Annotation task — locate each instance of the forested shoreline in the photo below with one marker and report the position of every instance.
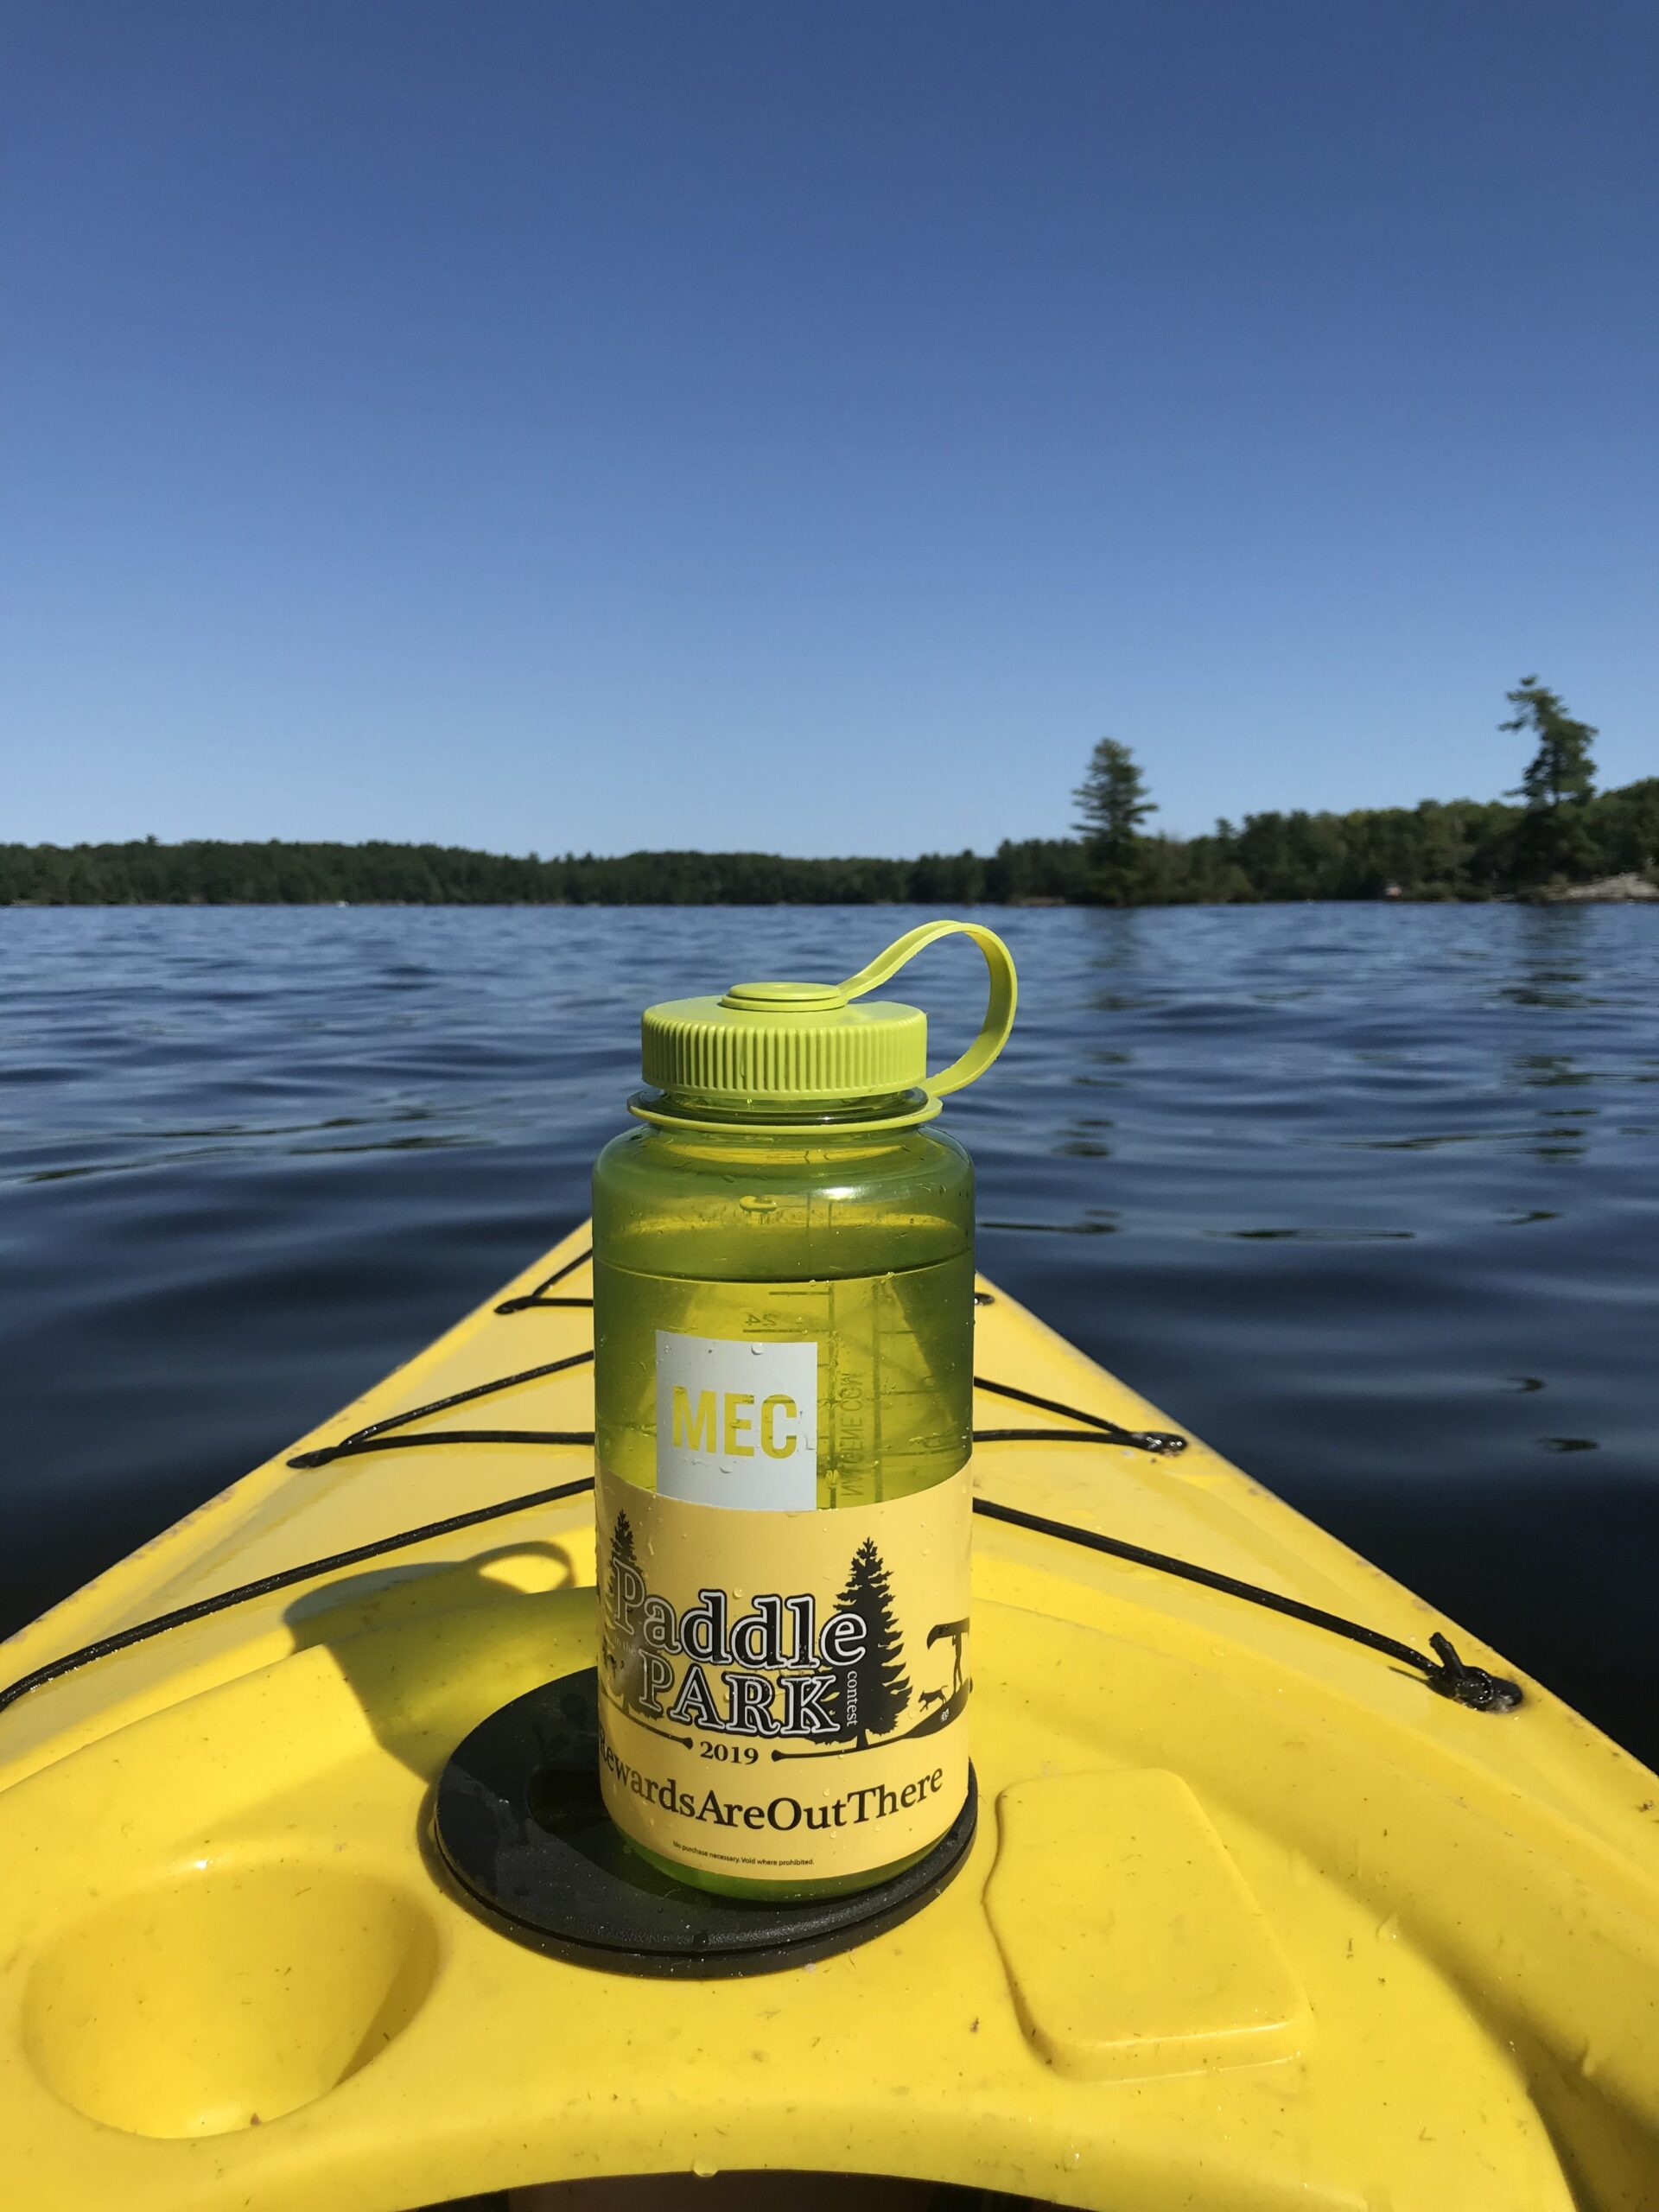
(1563, 834)
(1456, 850)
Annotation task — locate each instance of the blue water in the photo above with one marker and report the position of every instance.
(1367, 1195)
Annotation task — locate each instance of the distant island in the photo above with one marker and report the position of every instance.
(1561, 837)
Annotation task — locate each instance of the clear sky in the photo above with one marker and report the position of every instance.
(809, 424)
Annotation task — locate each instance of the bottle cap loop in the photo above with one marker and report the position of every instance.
(999, 1010)
(777, 1046)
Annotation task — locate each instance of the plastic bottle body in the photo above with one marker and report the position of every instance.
(848, 1247)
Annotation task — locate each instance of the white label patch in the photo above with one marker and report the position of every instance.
(737, 1423)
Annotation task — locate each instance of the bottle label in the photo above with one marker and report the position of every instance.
(782, 1692)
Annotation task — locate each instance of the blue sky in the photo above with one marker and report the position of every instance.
(808, 425)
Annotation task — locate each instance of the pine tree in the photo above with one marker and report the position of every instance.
(1112, 803)
(1553, 837)
(621, 1554)
(617, 1658)
(622, 1540)
(872, 1693)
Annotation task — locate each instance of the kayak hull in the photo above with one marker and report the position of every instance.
(1252, 1917)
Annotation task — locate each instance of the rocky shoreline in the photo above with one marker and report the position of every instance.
(1611, 890)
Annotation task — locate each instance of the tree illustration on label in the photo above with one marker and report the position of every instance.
(614, 1656)
(870, 1695)
(622, 1541)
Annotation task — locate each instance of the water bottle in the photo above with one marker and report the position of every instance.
(782, 1342)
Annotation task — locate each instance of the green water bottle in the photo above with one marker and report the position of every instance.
(783, 1338)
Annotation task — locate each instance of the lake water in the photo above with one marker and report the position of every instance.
(1369, 1196)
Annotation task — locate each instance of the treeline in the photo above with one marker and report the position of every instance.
(1451, 848)
(207, 872)
(1562, 833)
(1458, 849)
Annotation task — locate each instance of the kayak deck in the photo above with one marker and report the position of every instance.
(1253, 1918)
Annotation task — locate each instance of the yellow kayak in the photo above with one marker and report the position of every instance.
(1273, 1902)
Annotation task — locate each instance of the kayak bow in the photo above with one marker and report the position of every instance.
(1252, 1918)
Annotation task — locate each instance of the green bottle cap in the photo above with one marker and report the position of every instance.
(779, 1046)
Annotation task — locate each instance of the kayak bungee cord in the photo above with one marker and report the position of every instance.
(1162, 1443)
(377, 1436)
(538, 1296)
(1469, 1686)
(1161, 1440)
(1447, 1675)
(374, 1436)
(204, 1608)
(1446, 1672)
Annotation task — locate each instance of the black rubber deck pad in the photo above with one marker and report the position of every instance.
(521, 1826)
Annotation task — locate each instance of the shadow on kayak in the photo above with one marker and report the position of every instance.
(429, 1649)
